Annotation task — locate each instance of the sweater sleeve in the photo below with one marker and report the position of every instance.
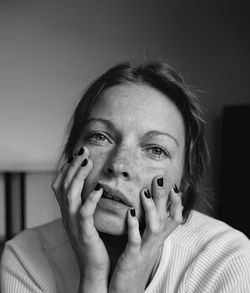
(24, 268)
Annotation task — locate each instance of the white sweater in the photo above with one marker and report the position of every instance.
(203, 255)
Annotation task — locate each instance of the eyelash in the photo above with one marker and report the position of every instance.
(93, 137)
(164, 151)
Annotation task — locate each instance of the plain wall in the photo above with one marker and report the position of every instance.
(2, 209)
(40, 203)
(51, 50)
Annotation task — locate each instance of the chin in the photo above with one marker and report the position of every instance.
(110, 224)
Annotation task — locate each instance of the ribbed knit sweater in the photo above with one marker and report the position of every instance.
(202, 255)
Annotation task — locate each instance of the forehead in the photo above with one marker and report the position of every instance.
(140, 105)
(139, 96)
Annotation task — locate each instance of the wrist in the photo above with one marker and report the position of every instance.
(92, 285)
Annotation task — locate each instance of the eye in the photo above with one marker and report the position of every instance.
(158, 152)
(98, 137)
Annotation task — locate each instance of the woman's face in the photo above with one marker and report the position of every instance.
(133, 133)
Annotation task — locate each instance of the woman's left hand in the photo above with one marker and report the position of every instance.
(137, 262)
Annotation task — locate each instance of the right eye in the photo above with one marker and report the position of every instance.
(98, 137)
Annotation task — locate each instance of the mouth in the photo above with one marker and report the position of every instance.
(115, 195)
(111, 196)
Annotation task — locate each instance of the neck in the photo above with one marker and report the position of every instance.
(115, 245)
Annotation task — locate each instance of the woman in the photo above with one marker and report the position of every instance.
(130, 192)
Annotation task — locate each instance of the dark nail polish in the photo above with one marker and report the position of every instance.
(98, 186)
(132, 212)
(147, 193)
(175, 188)
(160, 181)
(84, 163)
(70, 159)
(81, 151)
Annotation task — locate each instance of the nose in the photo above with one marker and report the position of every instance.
(121, 163)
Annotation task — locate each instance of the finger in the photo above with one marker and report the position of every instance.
(71, 199)
(134, 238)
(160, 196)
(58, 181)
(74, 198)
(176, 207)
(59, 176)
(74, 165)
(151, 216)
(87, 227)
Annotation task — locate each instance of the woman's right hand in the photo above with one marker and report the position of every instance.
(77, 217)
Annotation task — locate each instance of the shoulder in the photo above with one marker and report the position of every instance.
(33, 246)
(44, 237)
(201, 231)
(27, 258)
(213, 253)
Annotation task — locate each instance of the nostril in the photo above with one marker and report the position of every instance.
(113, 172)
(125, 174)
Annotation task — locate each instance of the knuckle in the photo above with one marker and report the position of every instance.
(91, 198)
(69, 198)
(136, 242)
(83, 213)
(90, 164)
(150, 206)
(83, 240)
(155, 230)
(160, 193)
(65, 185)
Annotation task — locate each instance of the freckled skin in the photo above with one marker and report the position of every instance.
(134, 109)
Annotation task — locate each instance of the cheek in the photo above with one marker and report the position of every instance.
(99, 158)
(172, 174)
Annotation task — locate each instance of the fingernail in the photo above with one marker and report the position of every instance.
(84, 163)
(132, 212)
(147, 193)
(98, 186)
(81, 151)
(175, 188)
(160, 182)
(70, 159)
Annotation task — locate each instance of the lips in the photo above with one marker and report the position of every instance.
(114, 194)
(111, 196)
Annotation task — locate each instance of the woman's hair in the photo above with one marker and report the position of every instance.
(159, 75)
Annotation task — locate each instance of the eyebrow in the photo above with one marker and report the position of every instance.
(149, 133)
(156, 132)
(98, 120)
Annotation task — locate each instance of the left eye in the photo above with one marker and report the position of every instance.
(157, 152)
